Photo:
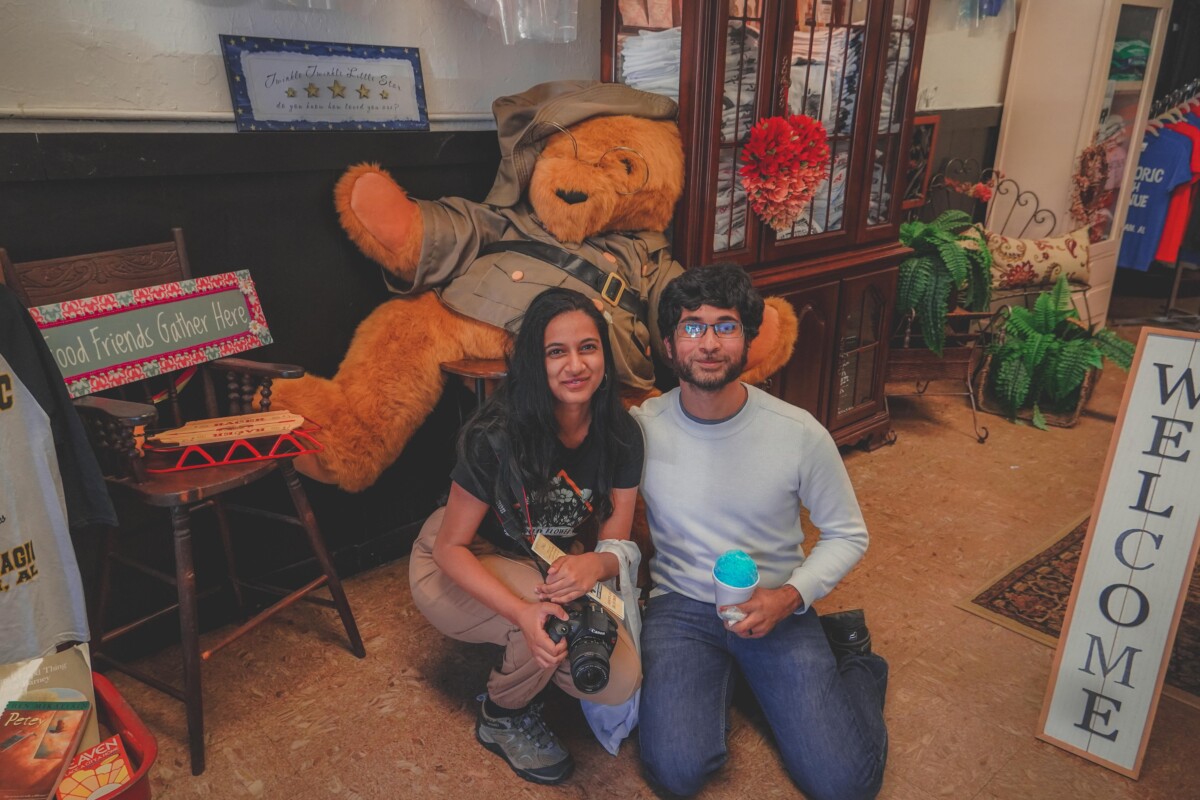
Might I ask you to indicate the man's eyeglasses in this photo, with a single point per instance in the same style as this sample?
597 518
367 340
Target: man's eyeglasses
725 329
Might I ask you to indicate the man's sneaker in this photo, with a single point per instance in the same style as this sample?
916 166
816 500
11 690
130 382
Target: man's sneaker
524 741
847 633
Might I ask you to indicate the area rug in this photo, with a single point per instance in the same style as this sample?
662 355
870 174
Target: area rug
1031 599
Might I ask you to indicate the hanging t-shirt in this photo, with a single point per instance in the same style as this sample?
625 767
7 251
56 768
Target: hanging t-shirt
49 482
560 509
1165 162
1179 209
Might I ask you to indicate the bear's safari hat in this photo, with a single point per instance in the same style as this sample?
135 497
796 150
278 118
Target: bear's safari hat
525 121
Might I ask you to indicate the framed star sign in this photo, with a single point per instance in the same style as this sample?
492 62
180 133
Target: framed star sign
295 85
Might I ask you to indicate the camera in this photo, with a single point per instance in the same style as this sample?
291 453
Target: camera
591 635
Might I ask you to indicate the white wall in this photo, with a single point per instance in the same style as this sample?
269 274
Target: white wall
159 59
962 68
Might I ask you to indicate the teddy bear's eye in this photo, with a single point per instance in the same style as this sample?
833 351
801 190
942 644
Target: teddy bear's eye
628 166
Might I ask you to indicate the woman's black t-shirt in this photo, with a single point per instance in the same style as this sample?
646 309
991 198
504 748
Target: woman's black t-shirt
558 509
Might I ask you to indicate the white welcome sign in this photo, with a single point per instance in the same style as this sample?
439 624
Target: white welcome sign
1136 564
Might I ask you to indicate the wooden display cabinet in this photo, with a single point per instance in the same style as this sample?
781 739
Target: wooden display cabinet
851 64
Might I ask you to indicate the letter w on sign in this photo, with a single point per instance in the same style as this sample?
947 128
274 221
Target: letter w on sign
1136 564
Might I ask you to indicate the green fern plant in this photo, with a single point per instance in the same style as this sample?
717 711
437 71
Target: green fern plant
949 255
1044 353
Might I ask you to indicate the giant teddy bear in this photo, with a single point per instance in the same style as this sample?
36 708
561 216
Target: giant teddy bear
588 181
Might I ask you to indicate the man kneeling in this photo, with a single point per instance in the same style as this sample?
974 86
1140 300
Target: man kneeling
728 467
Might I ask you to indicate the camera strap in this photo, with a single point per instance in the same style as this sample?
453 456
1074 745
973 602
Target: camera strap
505 509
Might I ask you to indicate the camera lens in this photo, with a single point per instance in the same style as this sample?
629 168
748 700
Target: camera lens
589 666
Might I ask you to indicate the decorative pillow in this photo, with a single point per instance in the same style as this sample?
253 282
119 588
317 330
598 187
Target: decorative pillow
1017 263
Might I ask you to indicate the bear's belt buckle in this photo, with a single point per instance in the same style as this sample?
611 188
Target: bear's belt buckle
614 287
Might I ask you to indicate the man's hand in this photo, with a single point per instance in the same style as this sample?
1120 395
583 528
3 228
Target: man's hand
766 609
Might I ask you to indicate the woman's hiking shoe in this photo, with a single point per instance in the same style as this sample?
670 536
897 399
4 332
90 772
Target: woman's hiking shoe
531 749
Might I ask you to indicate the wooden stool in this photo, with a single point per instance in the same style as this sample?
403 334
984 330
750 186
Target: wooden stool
479 370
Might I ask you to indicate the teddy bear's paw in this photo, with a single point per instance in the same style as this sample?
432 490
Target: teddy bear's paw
776 340
380 218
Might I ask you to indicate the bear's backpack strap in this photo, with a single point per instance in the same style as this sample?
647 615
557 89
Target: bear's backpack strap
609 285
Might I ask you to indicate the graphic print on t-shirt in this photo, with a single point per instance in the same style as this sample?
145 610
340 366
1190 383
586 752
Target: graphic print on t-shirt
560 507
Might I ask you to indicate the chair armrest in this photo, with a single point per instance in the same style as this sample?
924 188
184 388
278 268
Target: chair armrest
113 430
121 411
259 369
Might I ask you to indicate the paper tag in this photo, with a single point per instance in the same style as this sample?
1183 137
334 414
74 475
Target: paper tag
549 552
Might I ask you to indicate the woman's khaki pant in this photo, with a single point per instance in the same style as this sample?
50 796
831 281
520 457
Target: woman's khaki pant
460 616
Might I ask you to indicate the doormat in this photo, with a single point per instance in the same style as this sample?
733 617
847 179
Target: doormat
1031 599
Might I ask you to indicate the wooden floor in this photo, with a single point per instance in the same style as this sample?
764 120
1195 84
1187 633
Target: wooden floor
291 714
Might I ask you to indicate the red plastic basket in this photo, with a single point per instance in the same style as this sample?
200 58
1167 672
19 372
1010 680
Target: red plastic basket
116 715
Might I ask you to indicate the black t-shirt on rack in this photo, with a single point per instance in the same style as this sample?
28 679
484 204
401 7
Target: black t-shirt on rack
560 509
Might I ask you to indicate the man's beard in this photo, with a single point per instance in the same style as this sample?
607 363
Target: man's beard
711 381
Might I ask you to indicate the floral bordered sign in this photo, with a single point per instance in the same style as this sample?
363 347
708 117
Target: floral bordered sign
113 339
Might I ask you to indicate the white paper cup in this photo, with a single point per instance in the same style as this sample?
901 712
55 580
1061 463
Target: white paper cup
730 596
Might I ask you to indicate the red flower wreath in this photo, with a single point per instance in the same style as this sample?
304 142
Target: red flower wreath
785 159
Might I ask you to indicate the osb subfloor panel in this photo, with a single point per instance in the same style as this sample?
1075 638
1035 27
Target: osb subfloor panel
291 714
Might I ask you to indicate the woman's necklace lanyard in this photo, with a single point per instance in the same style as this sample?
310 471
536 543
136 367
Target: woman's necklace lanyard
530 536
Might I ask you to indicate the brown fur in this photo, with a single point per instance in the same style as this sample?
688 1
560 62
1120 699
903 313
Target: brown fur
380 218
390 378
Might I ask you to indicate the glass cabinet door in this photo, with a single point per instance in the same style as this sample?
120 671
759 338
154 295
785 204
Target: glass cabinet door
738 111
901 25
1119 117
862 326
824 80
649 38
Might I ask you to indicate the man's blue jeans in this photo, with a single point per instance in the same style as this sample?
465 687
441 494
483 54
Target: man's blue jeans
827 716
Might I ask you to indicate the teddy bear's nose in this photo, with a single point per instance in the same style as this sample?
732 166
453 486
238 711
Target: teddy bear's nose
570 196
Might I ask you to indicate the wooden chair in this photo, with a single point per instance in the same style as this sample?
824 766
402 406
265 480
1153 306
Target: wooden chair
111 425
482 372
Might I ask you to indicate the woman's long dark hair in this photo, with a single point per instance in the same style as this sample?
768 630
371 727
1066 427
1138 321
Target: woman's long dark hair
521 410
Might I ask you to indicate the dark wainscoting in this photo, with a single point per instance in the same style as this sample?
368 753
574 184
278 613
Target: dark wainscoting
966 133
263 202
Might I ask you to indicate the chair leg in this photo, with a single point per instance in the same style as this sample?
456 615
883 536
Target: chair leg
189 630
99 610
980 437
230 562
309 521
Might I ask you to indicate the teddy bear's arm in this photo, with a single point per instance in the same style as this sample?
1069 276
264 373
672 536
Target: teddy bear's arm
380 218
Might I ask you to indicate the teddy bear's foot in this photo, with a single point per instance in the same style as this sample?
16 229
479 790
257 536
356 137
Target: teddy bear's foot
310 466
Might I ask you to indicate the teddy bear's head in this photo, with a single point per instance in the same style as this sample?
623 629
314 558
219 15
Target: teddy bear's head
589 157
608 174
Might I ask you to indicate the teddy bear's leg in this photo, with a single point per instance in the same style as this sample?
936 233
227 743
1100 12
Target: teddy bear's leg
387 384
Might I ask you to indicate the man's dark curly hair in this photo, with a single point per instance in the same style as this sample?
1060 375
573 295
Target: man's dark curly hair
719 285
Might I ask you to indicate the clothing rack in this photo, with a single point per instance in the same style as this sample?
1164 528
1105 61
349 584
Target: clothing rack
1163 109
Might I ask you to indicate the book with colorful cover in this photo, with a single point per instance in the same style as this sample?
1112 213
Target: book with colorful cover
39 734
96 772
69 669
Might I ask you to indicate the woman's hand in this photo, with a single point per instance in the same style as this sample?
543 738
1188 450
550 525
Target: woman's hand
573 576
532 621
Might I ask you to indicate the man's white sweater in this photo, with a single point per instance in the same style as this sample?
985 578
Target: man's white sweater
738 485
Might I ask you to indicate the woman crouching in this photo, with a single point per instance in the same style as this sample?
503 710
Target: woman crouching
551 454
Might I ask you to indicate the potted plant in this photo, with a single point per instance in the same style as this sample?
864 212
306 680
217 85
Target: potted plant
1044 361
950 263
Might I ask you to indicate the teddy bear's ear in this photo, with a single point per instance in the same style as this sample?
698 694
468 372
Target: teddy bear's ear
775 342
